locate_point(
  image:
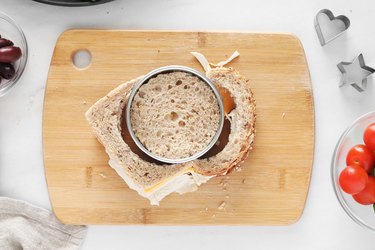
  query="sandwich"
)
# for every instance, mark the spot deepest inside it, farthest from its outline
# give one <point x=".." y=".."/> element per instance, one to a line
<point x="155" y="180"/>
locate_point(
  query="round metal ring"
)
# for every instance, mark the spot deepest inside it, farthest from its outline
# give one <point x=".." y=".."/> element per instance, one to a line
<point x="166" y="70"/>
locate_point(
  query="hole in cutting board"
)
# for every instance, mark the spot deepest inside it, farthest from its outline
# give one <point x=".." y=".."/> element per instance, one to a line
<point x="81" y="59"/>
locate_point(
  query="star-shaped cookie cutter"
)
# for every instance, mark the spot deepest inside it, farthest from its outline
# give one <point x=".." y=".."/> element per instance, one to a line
<point x="355" y="73"/>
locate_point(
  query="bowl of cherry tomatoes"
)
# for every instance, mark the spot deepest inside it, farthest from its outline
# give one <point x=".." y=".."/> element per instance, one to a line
<point x="353" y="173"/>
<point x="13" y="53"/>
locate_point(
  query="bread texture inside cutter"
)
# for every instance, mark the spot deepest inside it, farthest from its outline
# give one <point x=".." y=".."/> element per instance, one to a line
<point x="182" y="100"/>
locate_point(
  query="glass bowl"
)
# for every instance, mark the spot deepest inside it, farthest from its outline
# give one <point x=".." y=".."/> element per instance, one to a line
<point x="11" y="31"/>
<point x="363" y="215"/>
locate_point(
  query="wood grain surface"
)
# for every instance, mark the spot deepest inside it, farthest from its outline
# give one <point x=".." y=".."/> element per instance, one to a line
<point x="271" y="187"/>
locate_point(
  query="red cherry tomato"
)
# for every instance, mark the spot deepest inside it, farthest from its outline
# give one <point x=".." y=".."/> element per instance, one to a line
<point x="362" y="156"/>
<point x="369" y="137"/>
<point x="367" y="195"/>
<point x="353" y="179"/>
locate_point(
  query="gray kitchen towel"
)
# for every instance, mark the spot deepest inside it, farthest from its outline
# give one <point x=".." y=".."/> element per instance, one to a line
<point x="24" y="226"/>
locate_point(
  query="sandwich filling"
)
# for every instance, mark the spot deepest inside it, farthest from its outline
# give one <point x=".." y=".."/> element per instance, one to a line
<point x="183" y="182"/>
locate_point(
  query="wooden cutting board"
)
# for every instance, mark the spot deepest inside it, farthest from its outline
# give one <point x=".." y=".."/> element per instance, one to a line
<point x="271" y="187"/>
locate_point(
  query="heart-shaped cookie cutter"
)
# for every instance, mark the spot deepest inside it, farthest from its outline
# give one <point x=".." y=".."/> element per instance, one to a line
<point x="324" y="40"/>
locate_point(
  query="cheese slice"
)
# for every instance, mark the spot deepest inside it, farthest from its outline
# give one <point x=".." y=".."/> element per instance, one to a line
<point x="183" y="182"/>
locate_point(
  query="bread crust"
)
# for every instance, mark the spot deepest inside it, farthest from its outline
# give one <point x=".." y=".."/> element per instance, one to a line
<point x="105" y="118"/>
<point x="241" y="140"/>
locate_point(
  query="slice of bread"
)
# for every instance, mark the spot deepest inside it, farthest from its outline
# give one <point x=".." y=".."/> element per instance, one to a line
<point x="175" y="115"/>
<point x="105" y="118"/>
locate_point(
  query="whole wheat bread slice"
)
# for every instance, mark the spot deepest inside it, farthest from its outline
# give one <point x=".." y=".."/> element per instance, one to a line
<point x="105" y="119"/>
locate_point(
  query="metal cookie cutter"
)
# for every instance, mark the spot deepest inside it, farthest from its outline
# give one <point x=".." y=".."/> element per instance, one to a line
<point x="355" y="73"/>
<point x="336" y="28"/>
<point x="167" y="69"/>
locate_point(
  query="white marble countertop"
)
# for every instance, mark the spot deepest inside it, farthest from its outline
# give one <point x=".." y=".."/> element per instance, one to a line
<point x="323" y="225"/>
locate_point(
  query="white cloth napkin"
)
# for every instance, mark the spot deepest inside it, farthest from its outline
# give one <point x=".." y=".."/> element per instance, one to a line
<point x="24" y="226"/>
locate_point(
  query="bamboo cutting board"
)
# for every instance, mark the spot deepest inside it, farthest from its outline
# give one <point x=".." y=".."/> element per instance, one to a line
<point x="271" y="187"/>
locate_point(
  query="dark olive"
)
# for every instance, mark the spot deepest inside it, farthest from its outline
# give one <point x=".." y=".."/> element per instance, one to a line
<point x="10" y="54"/>
<point x="6" y="70"/>
<point x="5" y="42"/>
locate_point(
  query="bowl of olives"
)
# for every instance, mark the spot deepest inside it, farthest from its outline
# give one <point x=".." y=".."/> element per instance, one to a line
<point x="13" y="53"/>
